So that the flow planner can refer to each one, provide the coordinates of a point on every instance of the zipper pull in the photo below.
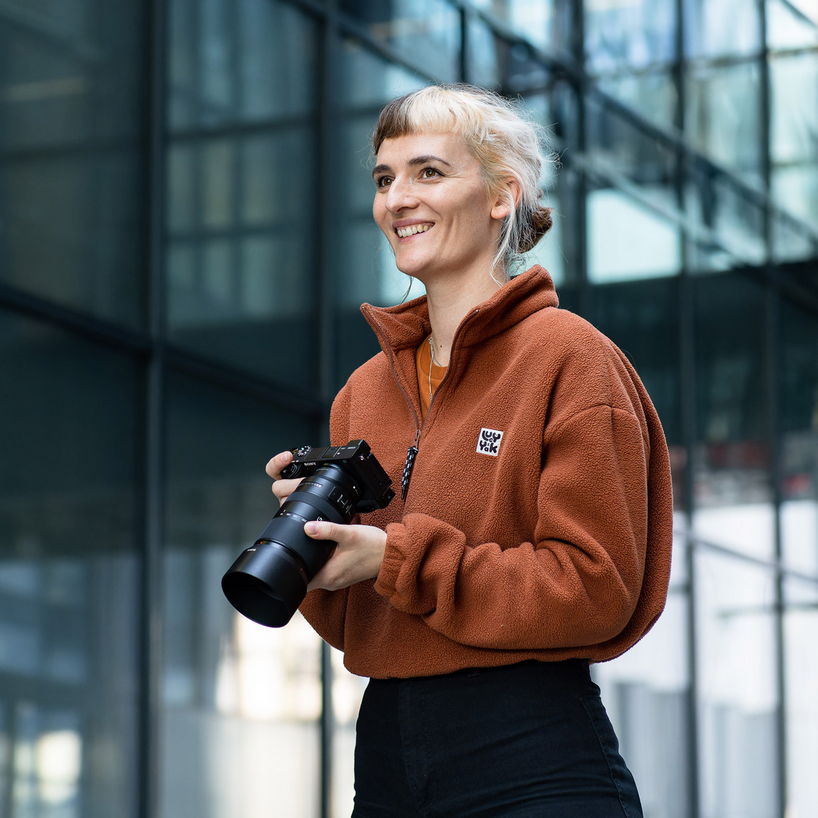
(409, 464)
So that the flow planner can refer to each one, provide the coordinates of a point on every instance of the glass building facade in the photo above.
(185, 238)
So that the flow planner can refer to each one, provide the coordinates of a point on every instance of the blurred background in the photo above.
(185, 238)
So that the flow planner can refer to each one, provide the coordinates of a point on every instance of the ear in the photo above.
(507, 199)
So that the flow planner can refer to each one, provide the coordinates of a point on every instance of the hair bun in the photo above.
(539, 225)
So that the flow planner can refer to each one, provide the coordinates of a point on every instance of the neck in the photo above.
(449, 301)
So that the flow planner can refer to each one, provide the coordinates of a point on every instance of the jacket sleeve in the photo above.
(326, 610)
(576, 583)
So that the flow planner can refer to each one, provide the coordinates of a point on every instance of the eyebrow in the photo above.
(415, 160)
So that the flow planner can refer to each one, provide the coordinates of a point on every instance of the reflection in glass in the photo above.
(791, 23)
(728, 217)
(425, 32)
(790, 240)
(239, 61)
(651, 95)
(536, 20)
(731, 461)
(723, 107)
(239, 260)
(368, 80)
(69, 583)
(799, 444)
(715, 29)
(628, 35)
(619, 145)
(240, 701)
(71, 166)
(485, 54)
(794, 148)
(641, 318)
(738, 744)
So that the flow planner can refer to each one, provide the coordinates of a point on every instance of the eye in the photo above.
(430, 173)
(383, 181)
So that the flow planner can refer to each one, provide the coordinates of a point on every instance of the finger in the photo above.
(284, 488)
(322, 530)
(276, 463)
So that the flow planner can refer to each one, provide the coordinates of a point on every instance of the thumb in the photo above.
(322, 530)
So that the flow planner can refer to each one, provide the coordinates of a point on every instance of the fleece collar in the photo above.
(406, 325)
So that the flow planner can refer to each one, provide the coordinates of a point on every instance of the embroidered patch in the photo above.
(488, 442)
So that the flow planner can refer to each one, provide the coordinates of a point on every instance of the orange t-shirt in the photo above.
(423, 359)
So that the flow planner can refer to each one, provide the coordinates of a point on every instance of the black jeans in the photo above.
(525, 740)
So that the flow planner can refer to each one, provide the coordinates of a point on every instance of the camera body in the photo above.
(268, 580)
(371, 481)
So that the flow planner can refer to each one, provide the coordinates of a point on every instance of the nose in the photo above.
(400, 196)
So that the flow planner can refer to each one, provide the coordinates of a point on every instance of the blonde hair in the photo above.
(504, 142)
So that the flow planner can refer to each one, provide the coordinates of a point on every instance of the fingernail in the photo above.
(311, 528)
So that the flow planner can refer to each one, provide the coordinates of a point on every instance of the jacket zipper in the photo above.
(412, 451)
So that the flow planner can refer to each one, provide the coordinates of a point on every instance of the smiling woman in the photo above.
(533, 531)
(434, 207)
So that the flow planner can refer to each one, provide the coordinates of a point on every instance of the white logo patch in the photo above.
(488, 442)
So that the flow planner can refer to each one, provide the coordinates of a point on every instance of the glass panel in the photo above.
(616, 225)
(242, 204)
(619, 145)
(642, 317)
(738, 745)
(793, 240)
(424, 32)
(731, 461)
(728, 220)
(535, 20)
(794, 149)
(347, 691)
(238, 62)
(715, 28)
(240, 702)
(69, 578)
(799, 445)
(723, 117)
(651, 95)
(72, 169)
(628, 35)
(368, 80)
(791, 23)
(801, 671)
(645, 693)
(239, 261)
(484, 54)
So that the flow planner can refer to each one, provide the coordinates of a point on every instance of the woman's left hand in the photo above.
(358, 556)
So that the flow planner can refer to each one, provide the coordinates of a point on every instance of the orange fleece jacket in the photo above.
(550, 542)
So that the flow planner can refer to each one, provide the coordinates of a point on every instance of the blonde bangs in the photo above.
(435, 109)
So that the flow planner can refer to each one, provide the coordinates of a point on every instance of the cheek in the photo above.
(379, 213)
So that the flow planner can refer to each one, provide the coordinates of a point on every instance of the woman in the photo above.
(534, 527)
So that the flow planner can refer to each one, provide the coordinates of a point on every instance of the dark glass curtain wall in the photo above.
(185, 238)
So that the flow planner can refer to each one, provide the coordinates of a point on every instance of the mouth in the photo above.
(412, 229)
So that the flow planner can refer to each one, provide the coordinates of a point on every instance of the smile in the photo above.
(412, 229)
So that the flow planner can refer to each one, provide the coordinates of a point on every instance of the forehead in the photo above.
(449, 146)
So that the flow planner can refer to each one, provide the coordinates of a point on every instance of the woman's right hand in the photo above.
(281, 488)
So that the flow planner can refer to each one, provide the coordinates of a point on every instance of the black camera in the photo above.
(268, 580)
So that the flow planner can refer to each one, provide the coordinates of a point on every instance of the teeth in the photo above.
(403, 232)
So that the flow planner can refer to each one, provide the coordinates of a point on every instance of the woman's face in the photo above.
(432, 205)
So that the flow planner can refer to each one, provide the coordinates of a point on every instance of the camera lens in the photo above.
(269, 580)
